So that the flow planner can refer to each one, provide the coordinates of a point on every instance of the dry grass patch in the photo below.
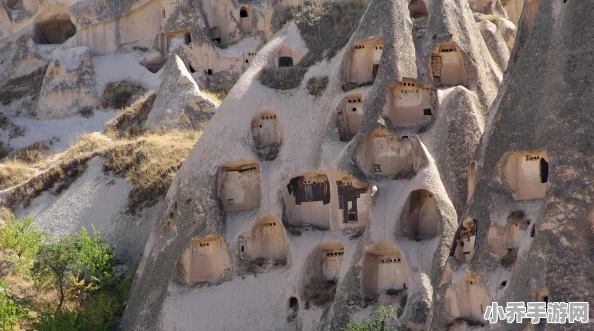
(88, 144)
(119, 95)
(60, 173)
(32, 154)
(129, 123)
(214, 96)
(14, 172)
(150, 163)
(493, 18)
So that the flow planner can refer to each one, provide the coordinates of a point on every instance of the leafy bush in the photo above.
(11, 313)
(78, 266)
(55, 265)
(377, 321)
(96, 259)
(20, 241)
(74, 265)
(61, 321)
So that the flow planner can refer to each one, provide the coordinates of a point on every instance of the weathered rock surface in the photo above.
(179, 103)
(68, 86)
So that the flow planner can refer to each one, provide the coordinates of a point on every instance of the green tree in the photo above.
(76, 264)
(55, 263)
(20, 240)
(96, 259)
(377, 321)
(11, 313)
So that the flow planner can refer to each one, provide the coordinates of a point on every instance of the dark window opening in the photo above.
(54, 31)
(352, 217)
(544, 171)
(209, 72)
(294, 304)
(354, 109)
(215, 35)
(242, 248)
(243, 13)
(427, 111)
(533, 231)
(188, 38)
(348, 193)
(307, 191)
(246, 61)
(375, 69)
(285, 61)
(192, 70)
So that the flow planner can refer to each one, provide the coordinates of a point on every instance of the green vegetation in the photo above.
(377, 321)
(79, 274)
(11, 313)
(20, 241)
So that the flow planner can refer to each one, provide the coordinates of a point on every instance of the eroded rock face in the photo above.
(415, 175)
(363, 187)
(179, 103)
(68, 86)
(530, 206)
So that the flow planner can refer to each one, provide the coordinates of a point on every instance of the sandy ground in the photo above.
(66, 130)
(94, 199)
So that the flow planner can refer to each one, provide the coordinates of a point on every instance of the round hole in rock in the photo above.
(239, 185)
(266, 133)
(364, 62)
(354, 200)
(383, 270)
(447, 65)
(383, 153)
(265, 240)
(322, 273)
(293, 304)
(420, 216)
(468, 297)
(526, 174)
(533, 231)
(503, 283)
(307, 200)
(204, 260)
(54, 31)
(349, 116)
